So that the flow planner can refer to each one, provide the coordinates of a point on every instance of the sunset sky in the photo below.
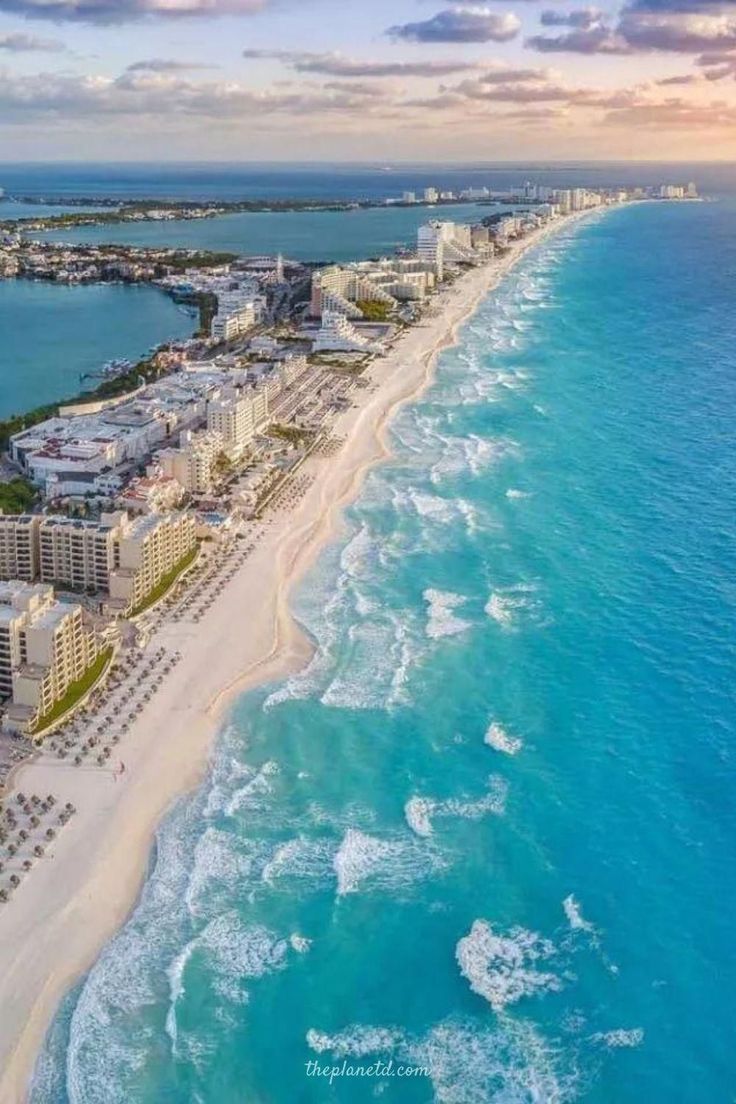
(388, 79)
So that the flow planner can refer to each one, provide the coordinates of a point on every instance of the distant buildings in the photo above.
(44, 649)
(431, 195)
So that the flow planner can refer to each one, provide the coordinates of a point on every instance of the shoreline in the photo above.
(90, 880)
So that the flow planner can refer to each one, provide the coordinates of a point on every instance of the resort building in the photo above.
(431, 248)
(77, 554)
(338, 334)
(236, 419)
(44, 649)
(148, 548)
(194, 463)
(19, 549)
(97, 556)
(233, 321)
(151, 493)
(340, 289)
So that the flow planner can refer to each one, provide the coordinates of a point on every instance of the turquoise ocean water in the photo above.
(489, 831)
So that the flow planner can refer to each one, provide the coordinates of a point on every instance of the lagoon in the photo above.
(52, 333)
(302, 235)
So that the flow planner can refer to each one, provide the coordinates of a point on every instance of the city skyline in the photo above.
(242, 80)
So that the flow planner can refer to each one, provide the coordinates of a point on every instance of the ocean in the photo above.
(323, 181)
(488, 833)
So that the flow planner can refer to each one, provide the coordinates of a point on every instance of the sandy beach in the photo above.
(79, 894)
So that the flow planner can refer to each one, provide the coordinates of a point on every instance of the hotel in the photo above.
(96, 556)
(44, 649)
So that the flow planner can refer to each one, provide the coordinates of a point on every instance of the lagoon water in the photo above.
(490, 830)
(50, 334)
(302, 235)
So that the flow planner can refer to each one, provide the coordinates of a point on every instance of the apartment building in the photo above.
(44, 649)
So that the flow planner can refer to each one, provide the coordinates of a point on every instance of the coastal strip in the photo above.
(62, 915)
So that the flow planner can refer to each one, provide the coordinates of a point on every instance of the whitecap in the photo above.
(620, 1037)
(506, 605)
(238, 951)
(420, 811)
(301, 857)
(299, 943)
(355, 1041)
(441, 619)
(362, 861)
(574, 915)
(505, 968)
(500, 740)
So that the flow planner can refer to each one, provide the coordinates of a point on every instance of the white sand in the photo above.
(76, 897)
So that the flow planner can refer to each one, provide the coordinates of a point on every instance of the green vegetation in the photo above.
(373, 311)
(75, 693)
(17, 496)
(166, 582)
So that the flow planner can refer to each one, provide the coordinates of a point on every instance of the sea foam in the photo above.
(500, 740)
(441, 617)
(420, 811)
(505, 968)
(362, 861)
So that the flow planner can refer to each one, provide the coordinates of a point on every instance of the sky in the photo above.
(338, 80)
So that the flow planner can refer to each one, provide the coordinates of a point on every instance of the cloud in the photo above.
(505, 75)
(675, 114)
(166, 65)
(337, 65)
(125, 11)
(358, 88)
(688, 78)
(591, 40)
(583, 17)
(461, 24)
(643, 26)
(163, 97)
(589, 34)
(25, 43)
(678, 31)
(718, 66)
